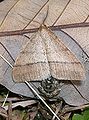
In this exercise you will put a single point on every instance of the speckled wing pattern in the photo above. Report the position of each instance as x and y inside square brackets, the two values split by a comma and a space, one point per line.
[45, 55]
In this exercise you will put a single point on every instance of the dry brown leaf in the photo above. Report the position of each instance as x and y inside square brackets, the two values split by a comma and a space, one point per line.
[20, 14]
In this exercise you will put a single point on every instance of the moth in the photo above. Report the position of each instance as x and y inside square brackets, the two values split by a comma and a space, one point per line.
[45, 56]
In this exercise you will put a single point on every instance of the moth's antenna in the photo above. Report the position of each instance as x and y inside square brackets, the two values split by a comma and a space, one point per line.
[46, 15]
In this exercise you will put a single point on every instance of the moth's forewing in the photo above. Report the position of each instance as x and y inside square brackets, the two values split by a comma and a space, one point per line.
[45, 55]
[31, 63]
[64, 65]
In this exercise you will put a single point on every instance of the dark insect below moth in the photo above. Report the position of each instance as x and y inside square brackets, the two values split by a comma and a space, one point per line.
[49, 88]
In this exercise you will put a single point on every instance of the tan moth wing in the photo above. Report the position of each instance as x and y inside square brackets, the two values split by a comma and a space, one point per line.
[63, 63]
[45, 55]
[31, 63]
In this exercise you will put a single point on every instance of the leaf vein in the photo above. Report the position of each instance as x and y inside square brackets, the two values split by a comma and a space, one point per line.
[8, 12]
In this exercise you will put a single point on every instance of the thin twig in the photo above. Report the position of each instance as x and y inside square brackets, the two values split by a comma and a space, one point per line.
[6, 61]
[42, 100]
[70, 109]
[58, 27]
[32, 89]
[70, 81]
[5, 99]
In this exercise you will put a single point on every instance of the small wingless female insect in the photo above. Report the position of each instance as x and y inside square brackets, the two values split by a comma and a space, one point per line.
[45, 58]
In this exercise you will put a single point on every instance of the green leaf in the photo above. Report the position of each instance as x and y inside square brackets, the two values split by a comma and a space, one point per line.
[83, 116]
[77, 117]
[86, 114]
